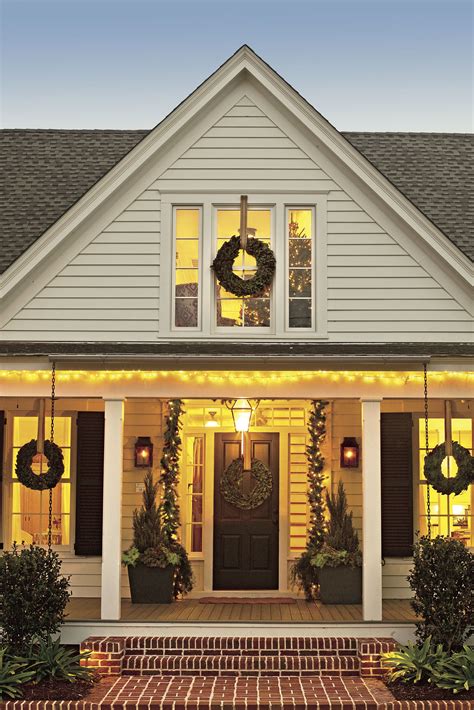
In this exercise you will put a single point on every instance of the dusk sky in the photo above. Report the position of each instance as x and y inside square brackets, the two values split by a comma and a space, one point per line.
[381, 65]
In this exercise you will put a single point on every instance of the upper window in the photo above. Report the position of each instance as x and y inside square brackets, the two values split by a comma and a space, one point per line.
[187, 232]
[300, 268]
[234, 311]
[29, 507]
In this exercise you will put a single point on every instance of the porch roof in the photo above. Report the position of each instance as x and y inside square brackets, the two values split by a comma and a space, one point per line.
[185, 353]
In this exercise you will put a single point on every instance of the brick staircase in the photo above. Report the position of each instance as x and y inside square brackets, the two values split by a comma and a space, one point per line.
[236, 656]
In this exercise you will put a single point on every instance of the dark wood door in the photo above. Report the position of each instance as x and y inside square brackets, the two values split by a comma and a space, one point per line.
[246, 541]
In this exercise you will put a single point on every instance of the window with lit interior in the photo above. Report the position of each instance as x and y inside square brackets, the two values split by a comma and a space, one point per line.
[300, 280]
[187, 233]
[30, 508]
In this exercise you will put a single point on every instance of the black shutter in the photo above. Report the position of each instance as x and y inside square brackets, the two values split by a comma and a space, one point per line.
[2, 441]
[397, 484]
[90, 483]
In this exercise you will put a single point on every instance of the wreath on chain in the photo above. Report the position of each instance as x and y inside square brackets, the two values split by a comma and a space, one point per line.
[224, 261]
[230, 484]
[435, 477]
[43, 481]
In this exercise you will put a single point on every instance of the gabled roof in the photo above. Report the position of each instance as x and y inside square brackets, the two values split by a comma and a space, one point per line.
[44, 172]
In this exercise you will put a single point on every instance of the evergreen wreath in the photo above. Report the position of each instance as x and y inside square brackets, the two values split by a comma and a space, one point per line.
[304, 573]
[224, 261]
[458, 483]
[230, 484]
[43, 481]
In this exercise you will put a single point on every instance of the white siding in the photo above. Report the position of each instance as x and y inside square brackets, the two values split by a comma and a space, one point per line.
[110, 291]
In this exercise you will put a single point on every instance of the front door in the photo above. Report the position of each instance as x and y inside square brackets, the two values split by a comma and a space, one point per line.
[246, 541]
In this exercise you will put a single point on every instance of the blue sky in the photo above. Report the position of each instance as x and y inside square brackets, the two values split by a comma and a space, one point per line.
[366, 65]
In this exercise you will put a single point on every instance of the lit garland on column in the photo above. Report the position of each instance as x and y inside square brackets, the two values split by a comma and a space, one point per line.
[304, 573]
[317, 432]
[169, 507]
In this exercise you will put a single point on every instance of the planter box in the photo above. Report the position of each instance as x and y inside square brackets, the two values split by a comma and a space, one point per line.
[151, 585]
[340, 585]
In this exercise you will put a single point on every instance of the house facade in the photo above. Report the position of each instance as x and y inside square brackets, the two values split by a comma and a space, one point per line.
[108, 245]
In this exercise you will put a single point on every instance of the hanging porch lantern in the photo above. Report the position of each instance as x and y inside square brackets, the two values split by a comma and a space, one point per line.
[242, 411]
[143, 452]
[349, 453]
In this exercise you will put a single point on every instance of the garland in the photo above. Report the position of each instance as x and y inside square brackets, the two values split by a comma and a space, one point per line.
[317, 433]
[224, 261]
[169, 507]
[230, 484]
[43, 481]
[460, 482]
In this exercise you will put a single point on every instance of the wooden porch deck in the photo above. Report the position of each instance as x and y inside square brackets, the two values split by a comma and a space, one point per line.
[189, 610]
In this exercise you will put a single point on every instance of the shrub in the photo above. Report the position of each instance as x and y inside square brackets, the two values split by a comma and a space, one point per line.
[13, 673]
[330, 557]
[304, 575]
[48, 659]
[33, 596]
[442, 580]
[455, 672]
[413, 663]
[340, 534]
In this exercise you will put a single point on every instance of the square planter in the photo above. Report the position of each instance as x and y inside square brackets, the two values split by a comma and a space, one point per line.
[340, 585]
[151, 585]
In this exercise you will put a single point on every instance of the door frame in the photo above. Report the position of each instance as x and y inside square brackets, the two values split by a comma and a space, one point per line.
[207, 556]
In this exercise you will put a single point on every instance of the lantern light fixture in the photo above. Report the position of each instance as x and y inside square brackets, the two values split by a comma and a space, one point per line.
[349, 453]
[212, 421]
[242, 411]
[143, 452]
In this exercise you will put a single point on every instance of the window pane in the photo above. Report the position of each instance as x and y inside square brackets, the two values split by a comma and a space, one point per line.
[186, 312]
[187, 233]
[228, 223]
[187, 253]
[186, 282]
[300, 313]
[300, 261]
[257, 312]
[187, 223]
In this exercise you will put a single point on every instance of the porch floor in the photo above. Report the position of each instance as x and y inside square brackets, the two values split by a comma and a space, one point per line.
[189, 610]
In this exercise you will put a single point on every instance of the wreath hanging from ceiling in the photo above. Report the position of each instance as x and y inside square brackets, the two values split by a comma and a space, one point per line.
[42, 481]
[435, 477]
[231, 484]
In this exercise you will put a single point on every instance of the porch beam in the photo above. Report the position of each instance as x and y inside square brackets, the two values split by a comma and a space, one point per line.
[371, 511]
[112, 509]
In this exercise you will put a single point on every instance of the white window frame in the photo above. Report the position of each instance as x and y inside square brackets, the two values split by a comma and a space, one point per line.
[279, 201]
[174, 327]
[311, 328]
[10, 481]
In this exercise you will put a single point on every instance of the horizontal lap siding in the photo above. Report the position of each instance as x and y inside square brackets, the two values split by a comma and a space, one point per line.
[110, 291]
[376, 290]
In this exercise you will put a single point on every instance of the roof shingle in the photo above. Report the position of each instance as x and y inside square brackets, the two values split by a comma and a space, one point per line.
[44, 172]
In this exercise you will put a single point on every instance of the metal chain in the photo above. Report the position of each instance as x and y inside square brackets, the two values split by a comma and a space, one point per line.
[51, 438]
[427, 440]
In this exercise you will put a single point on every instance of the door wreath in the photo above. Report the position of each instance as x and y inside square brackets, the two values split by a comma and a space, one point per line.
[43, 481]
[435, 477]
[230, 484]
[224, 261]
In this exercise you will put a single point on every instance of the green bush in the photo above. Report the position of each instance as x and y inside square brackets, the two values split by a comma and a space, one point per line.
[340, 534]
[48, 659]
[413, 663]
[33, 596]
[13, 673]
[455, 672]
[442, 580]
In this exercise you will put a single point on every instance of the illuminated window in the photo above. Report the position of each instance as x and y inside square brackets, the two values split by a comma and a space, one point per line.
[187, 228]
[450, 515]
[194, 453]
[300, 268]
[30, 508]
[234, 311]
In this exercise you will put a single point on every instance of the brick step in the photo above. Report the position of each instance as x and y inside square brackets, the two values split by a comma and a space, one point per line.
[245, 645]
[206, 665]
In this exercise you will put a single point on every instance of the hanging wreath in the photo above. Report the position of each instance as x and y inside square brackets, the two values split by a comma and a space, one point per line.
[231, 483]
[43, 481]
[224, 261]
[460, 482]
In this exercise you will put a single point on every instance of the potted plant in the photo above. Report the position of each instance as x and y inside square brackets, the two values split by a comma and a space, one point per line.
[158, 568]
[339, 561]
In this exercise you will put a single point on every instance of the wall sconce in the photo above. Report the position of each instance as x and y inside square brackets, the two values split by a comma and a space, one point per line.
[212, 421]
[242, 410]
[349, 453]
[143, 452]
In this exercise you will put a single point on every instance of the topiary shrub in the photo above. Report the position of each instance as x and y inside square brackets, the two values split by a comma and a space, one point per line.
[33, 596]
[442, 580]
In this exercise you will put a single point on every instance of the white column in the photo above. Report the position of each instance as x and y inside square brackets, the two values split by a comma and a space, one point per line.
[371, 511]
[112, 509]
